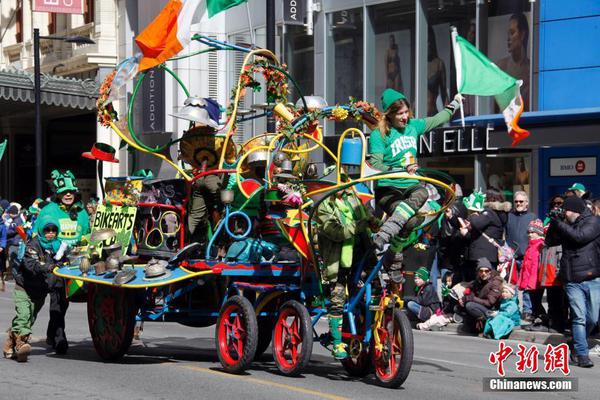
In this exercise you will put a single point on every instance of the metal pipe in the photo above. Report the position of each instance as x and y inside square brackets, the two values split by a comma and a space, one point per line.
[271, 46]
[39, 153]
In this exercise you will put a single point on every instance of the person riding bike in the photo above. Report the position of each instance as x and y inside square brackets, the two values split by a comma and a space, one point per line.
[393, 146]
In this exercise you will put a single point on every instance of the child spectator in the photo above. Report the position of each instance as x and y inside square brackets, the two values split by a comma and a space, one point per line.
[427, 302]
[532, 299]
[500, 323]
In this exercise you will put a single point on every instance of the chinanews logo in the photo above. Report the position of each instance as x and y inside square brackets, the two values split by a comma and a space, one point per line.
[555, 361]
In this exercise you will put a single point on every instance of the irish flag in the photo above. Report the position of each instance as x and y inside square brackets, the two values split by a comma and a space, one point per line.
[168, 34]
[477, 75]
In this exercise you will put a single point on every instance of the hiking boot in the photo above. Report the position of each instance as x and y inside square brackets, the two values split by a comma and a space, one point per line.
[9, 344]
[584, 362]
[335, 330]
[457, 318]
[22, 348]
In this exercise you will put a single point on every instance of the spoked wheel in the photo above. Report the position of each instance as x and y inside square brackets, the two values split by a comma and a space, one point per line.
[394, 360]
[111, 319]
[265, 328]
[236, 334]
[292, 338]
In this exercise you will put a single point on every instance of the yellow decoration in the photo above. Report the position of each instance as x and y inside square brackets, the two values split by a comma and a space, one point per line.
[339, 113]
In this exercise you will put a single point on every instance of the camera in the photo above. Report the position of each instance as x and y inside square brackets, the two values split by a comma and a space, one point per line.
[558, 213]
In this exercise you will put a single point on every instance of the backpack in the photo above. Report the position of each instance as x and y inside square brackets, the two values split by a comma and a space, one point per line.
[549, 266]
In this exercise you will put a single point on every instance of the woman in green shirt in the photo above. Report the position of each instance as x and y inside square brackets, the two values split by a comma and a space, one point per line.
[393, 146]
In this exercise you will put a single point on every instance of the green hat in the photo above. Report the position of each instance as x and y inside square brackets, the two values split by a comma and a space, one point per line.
[577, 186]
[63, 181]
[475, 201]
[422, 273]
[389, 96]
[145, 173]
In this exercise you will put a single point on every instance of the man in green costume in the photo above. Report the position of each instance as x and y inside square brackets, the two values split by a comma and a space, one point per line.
[393, 146]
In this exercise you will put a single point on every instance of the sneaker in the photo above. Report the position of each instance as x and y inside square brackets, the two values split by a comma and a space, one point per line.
[528, 317]
[62, 346]
[595, 350]
[457, 318]
[584, 362]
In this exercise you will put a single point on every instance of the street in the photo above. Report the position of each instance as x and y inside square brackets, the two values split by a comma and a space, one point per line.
[176, 362]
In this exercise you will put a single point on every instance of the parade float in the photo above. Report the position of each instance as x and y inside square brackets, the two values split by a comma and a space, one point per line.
[257, 275]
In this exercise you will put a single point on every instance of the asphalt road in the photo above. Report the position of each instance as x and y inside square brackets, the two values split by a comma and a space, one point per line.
[177, 362]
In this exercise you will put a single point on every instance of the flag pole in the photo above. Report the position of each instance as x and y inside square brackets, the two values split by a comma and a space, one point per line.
[251, 27]
[457, 65]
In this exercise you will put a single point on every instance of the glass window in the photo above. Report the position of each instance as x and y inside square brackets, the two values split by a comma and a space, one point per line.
[393, 26]
[509, 174]
[441, 73]
[299, 56]
[461, 168]
[508, 42]
[344, 59]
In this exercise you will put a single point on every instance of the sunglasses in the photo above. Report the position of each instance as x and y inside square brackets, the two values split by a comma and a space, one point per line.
[485, 271]
[520, 201]
[558, 203]
[51, 230]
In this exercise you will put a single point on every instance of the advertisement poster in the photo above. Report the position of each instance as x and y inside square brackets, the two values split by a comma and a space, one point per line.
[120, 219]
[394, 68]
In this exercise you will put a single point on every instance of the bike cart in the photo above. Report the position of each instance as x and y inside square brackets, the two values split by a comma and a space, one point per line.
[141, 265]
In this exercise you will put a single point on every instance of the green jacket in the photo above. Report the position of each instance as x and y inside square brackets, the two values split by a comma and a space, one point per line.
[333, 229]
[71, 230]
[393, 151]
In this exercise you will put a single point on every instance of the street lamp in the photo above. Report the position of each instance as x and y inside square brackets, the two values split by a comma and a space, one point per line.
[37, 91]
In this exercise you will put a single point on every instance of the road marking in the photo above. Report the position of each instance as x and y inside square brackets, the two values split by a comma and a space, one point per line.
[264, 382]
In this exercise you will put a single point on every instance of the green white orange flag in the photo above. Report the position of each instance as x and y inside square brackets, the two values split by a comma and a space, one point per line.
[216, 6]
[168, 34]
[2, 148]
[477, 75]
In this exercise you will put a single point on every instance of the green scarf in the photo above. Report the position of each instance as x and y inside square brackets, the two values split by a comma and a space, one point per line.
[52, 245]
[347, 216]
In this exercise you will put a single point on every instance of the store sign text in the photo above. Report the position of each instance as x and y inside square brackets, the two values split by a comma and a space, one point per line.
[573, 166]
[293, 12]
[58, 6]
[456, 141]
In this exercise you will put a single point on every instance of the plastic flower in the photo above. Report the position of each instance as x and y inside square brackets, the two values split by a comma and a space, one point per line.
[339, 113]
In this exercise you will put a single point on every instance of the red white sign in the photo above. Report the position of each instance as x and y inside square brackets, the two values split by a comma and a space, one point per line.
[573, 166]
[59, 6]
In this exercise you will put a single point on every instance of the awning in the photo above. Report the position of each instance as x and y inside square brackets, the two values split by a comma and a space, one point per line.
[55, 90]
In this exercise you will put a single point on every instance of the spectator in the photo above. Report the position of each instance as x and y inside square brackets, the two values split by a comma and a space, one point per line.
[578, 189]
[532, 296]
[427, 302]
[483, 294]
[500, 323]
[484, 228]
[578, 231]
[452, 245]
[91, 207]
[13, 221]
[2, 253]
[518, 221]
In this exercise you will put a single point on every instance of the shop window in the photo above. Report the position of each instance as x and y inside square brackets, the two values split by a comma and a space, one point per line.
[509, 174]
[298, 50]
[508, 42]
[441, 72]
[88, 11]
[345, 59]
[394, 28]
[19, 23]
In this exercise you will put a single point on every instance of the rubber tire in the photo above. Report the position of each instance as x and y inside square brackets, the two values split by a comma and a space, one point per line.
[120, 327]
[305, 334]
[407, 353]
[251, 339]
[265, 329]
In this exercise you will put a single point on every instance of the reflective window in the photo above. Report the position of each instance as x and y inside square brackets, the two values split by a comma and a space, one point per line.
[509, 174]
[299, 56]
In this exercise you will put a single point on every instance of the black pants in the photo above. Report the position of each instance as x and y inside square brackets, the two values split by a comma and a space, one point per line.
[476, 310]
[58, 309]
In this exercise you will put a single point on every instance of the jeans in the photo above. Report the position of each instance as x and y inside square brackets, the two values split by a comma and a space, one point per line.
[414, 307]
[584, 300]
[526, 302]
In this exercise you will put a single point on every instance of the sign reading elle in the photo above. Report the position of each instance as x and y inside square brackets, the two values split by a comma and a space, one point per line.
[456, 140]
[294, 11]
[59, 6]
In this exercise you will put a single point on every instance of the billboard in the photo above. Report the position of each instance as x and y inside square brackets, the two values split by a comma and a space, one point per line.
[58, 6]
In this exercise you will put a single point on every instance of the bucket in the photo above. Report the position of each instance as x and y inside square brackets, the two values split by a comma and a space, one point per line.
[351, 151]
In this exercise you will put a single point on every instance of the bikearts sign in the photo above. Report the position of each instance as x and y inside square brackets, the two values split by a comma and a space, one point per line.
[457, 140]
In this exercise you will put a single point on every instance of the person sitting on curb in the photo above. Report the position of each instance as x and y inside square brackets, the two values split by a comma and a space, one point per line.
[427, 302]
[31, 287]
[501, 323]
[483, 294]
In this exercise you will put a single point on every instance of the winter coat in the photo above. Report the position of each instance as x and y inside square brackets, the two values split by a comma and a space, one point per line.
[35, 273]
[486, 293]
[501, 325]
[12, 236]
[549, 266]
[71, 229]
[452, 245]
[491, 221]
[333, 230]
[429, 301]
[530, 264]
[516, 231]
[3, 237]
[580, 259]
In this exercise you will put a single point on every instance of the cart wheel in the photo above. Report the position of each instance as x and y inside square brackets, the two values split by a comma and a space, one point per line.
[359, 363]
[265, 328]
[292, 338]
[394, 360]
[111, 319]
[236, 334]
